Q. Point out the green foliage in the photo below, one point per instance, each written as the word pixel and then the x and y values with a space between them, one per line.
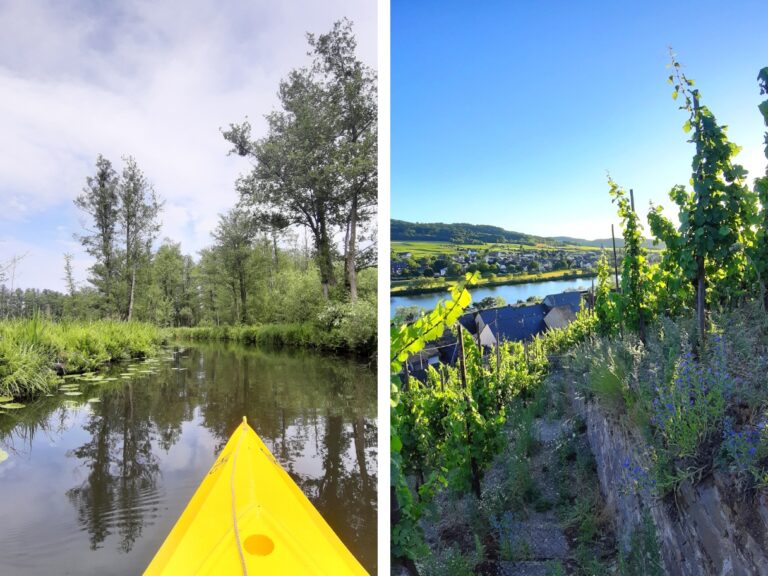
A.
pixel 688 411
pixel 760 252
pixel 490 302
pixel 717 217
pixel 673 291
pixel 99 200
pixel 353 329
pixel 644 556
pixel 608 386
pixel 446 431
pixel 406 417
pixel 635 304
pixel 316 167
pixel 407 314
pixel 559 341
pixel 30 349
pixel 605 304
pixel 452 562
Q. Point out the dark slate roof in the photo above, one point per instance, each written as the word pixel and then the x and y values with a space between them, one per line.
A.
pixel 468 323
pixel 570 299
pixel 515 323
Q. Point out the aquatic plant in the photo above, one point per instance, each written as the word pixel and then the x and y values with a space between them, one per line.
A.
pixel 33 350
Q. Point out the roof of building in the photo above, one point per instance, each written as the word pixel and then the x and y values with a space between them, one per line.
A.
pixel 421 359
pixel 515 322
pixel 559 317
pixel 570 299
pixel 467 321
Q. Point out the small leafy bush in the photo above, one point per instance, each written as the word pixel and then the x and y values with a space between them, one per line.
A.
pixel 746 450
pixel 688 411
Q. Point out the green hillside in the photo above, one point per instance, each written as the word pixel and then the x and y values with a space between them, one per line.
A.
pixel 463 233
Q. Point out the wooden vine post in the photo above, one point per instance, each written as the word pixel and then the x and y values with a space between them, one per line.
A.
pixel 463 372
pixel 615 260
pixel 498 353
pixel 640 315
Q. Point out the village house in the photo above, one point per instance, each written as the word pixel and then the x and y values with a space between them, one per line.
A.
pixel 503 324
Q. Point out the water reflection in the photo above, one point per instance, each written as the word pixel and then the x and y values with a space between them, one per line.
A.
pixel 123 468
pixel 128 464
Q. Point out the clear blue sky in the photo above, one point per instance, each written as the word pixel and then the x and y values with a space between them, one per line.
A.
pixel 510 113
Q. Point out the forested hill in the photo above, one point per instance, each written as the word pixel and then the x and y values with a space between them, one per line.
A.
pixel 457 233
pixel 462 233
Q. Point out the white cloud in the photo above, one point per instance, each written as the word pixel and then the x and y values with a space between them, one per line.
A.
pixel 147 79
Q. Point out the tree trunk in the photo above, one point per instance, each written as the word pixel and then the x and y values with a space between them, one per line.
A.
pixel 325 261
pixel 358 433
pixel 274 247
pixel 235 300
pixel 131 292
pixel 213 306
pixel 351 251
pixel 243 309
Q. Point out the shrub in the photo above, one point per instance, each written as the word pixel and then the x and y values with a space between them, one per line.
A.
pixel 689 410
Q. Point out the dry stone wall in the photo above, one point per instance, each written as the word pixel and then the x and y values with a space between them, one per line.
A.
pixel 704 531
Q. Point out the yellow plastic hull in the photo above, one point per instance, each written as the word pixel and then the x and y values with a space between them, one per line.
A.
pixel 247 497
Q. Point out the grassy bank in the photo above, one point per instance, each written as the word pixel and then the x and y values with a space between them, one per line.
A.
pixel 413 287
pixel 32 351
pixel 361 341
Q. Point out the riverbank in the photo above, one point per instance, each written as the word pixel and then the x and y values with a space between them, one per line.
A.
pixel 444 284
pixel 33 352
pixel 358 340
pixel 511 294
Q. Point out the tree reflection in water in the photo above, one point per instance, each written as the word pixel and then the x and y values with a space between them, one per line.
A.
pixel 316 414
pixel 120 491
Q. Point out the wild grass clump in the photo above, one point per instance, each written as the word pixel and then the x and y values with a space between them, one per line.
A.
pixel 33 350
pixel 24 369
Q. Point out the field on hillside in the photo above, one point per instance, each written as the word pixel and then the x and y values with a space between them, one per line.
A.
pixel 421 249
pixel 397 287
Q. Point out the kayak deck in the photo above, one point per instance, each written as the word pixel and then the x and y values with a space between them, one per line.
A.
pixel 249 517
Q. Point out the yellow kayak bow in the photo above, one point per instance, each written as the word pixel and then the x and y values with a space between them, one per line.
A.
pixel 249 518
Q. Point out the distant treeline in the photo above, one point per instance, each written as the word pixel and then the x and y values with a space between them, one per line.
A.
pixel 462 233
pixel 457 233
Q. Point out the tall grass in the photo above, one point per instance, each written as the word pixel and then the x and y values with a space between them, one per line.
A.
pixel 33 350
pixel 280 336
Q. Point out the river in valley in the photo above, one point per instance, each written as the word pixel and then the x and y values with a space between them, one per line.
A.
pixel 510 292
pixel 97 476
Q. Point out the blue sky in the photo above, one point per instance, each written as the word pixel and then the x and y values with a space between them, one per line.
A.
pixel 510 113
pixel 143 78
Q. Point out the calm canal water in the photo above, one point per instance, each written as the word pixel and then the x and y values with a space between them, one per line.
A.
pixel 94 482
pixel 510 292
